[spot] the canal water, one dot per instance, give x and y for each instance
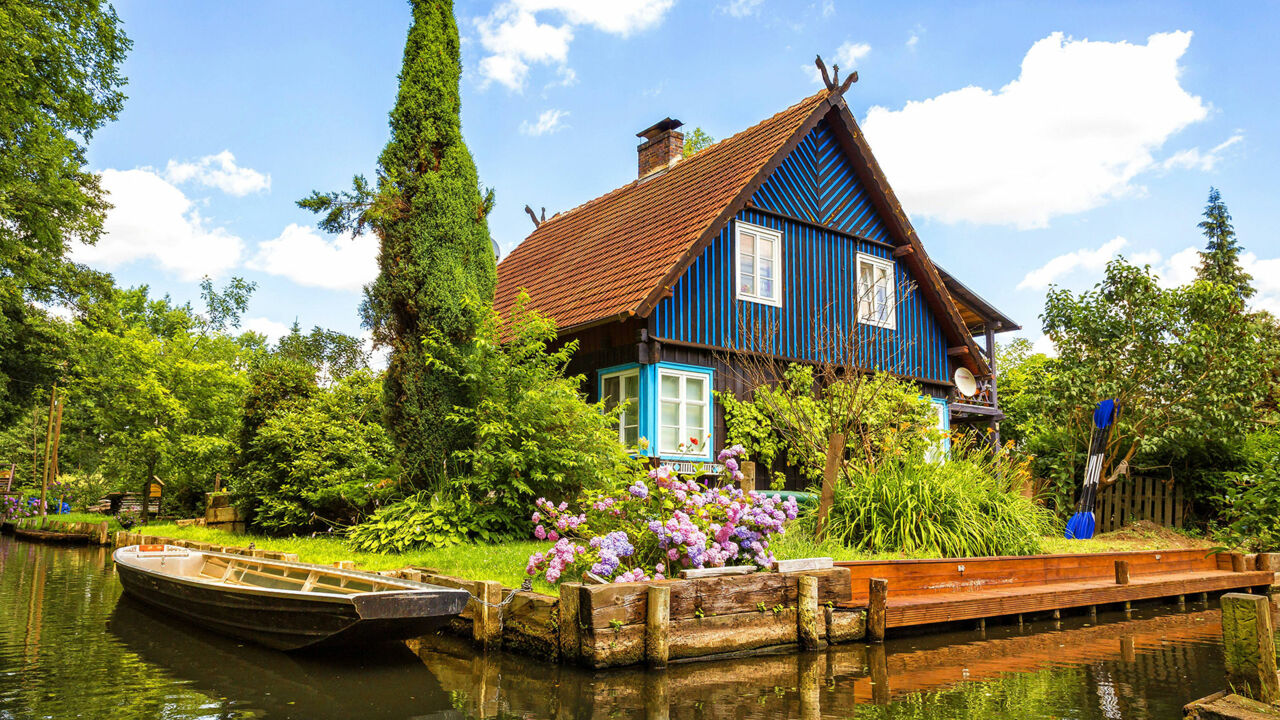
(72, 647)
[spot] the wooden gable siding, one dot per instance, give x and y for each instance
(815, 183)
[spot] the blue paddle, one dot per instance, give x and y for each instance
(1081, 525)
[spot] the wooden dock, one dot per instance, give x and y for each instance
(927, 592)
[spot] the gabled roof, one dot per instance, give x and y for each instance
(974, 309)
(614, 257)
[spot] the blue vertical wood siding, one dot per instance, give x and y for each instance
(818, 273)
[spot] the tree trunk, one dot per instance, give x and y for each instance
(146, 490)
(830, 473)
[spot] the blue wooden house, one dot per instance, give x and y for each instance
(790, 225)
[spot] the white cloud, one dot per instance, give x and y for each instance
(154, 220)
(828, 8)
(1092, 260)
(741, 8)
(548, 122)
(1073, 131)
(218, 171)
(515, 38)
(846, 56)
(308, 258)
(273, 330)
(1193, 159)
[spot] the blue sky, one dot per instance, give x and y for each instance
(1029, 143)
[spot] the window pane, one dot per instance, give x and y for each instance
(766, 268)
(695, 389)
(671, 387)
(693, 421)
(631, 387)
(670, 413)
(748, 266)
(747, 285)
(766, 288)
(669, 439)
(611, 392)
(631, 435)
(764, 249)
(747, 245)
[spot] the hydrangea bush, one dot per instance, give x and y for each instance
(657, 525)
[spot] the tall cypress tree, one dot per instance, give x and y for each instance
(1220, 259)
(436, 263)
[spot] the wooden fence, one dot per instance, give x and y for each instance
(1131, 499)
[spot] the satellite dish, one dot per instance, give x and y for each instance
(965, 382)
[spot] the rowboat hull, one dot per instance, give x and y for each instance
(287, 619)
(50, 536)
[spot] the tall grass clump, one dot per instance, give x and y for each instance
(970, 505)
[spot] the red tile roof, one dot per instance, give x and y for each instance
(605, 257)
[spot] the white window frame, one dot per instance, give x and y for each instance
(682, 436)
(942, 412)
(774, 237)
(625, 419)
(866, 300)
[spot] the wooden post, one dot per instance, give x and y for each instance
(877, 608)
(749, 481)
(1269, 562)
(486, 623)
(808, 613)
(657, 626)
(1249, 646)
(345, 564)
(1093, 612)
(48, 447)
(570, 629)
(1128, 650)
(830, 473)
(657, 701)
(1122, 572)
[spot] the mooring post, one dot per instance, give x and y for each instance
(877, 608)
(657, 625)
(1128, 607)
(1093, 612)
(570, 629)
(1204, 598)
(1122, 572)
(1249, 646)
(1182, 601)
(878, 669)
(1057, 614)
(1269, 562)
(807, 632)
(486, 623)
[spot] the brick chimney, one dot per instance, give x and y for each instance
(662, 148)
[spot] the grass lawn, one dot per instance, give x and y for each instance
(503, 562)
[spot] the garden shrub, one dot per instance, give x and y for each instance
(323, 461)
(425, 520)
(658, 524)
(1251, 498)
(971, 505)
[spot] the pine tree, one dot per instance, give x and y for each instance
(436, 263)
(1220, 259)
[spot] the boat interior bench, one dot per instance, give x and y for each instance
(924, 592)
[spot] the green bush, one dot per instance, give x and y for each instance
(1251, 499)
(425, 521)
(80, 490)
(969, 506)
(534, 434)
(324, 460)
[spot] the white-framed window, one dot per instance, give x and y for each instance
(759, 264)
(623, 388)
(876, 301)
(684, 412)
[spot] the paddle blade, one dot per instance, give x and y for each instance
(1086, 527)
(1073, 526)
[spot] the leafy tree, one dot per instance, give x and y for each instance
(1182, 363)
(696, 141)
(436, 264)
(1220, 259)
(332, 354)
(59, 82)
(224, 308)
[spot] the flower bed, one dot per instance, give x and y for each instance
(657, 525)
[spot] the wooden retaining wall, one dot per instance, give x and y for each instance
(617, 624)
(96, 532)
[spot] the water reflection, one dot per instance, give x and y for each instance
(70, 647)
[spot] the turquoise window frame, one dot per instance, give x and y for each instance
(602, 373)
(946, 424)
(649, 416)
